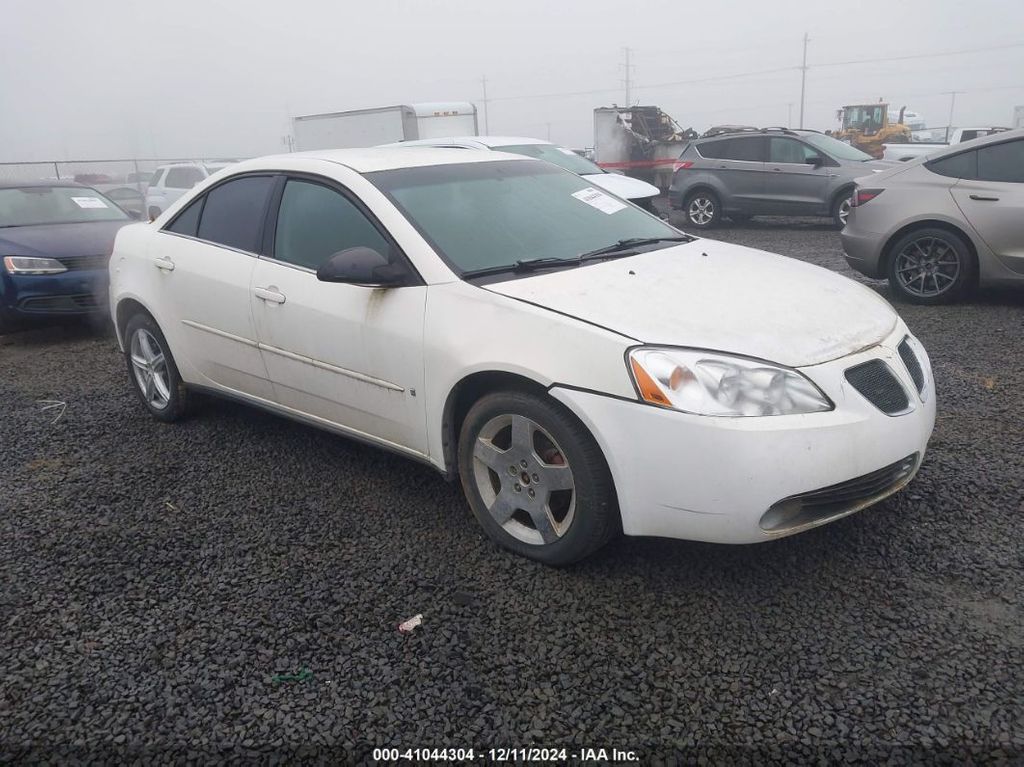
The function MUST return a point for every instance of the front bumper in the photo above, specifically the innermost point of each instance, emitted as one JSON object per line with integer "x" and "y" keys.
{"x": 75, "y": 292}
{"x": 715, "y": 479}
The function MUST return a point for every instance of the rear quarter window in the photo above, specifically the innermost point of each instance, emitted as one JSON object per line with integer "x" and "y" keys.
{"x": 963, "y": 165}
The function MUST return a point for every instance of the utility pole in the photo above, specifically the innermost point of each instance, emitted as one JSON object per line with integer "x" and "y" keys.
{"x": 628, "y": 80}
{"x": 789, "y": 120}
{"x": 952, "y": 106}
{"x": 549, "y": 131}
{"x": 483, "y": 80}
{"x": 803, "y": 80}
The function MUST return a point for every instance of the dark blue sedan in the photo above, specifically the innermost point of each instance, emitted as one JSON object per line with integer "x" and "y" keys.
{"x": 55, "y": 242}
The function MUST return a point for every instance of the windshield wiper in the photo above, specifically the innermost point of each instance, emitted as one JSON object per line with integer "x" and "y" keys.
{"x": 628, "y": 243}
{"x": 620, "y": 249}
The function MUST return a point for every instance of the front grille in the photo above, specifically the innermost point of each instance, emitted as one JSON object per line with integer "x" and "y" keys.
{"x": 77, "y": 303}
{"x": 76, "y": 263}
{"x": 842, "y": 498}
{"x": 912, "y": 363}
{"x": 876, "y": 381}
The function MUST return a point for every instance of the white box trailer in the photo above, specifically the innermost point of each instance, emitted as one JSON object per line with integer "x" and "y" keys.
{"x": 384, "y": 125}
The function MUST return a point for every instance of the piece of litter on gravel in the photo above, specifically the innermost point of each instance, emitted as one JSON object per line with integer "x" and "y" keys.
{"x": 301, "y": 676}
{"x": 406, "y": 627}
{"x": 50, "y": 404}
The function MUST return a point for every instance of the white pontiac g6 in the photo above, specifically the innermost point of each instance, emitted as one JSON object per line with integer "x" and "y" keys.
{"x": 581, "y": 366}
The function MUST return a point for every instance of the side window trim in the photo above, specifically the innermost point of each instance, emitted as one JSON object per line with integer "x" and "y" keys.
{"x": 270, "y": 230}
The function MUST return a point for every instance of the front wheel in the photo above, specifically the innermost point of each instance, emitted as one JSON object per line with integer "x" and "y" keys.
{"x": 535, "y": 479}
{"x": 930, "y": 266}
{"x": 841, "y": 210}
{"x": 702, "y": 209}
{"x": 152, "y": 371}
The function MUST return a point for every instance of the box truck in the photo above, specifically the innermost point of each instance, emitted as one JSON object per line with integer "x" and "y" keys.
{"x": 384, "y": 125}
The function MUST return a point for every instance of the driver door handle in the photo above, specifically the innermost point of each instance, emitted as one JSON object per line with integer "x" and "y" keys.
{"x": 269, "y": 294}
{"x": 164, "y": 264}
{"x": 982, "y": 198}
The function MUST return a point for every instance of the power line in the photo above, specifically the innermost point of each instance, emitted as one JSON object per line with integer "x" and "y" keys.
{"x": 921, "y": 55}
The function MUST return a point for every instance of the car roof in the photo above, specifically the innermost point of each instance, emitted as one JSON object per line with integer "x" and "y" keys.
{"x": 974, "y": 143}
{"x": 383, "y": 158}
{"x": 40, "y": 183}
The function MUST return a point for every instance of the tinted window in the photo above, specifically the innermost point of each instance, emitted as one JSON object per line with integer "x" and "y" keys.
{"x": 748, "y": 149}
{"x": 183, "y": 178}
{"x": 233, "y": 213}
{"x": 963, "y": 165}
{"x": 789, "y": 150}
{"x": 187, "y": 221}
{"x": 156, "y": 178}
{"x": 315, "y": 222}
{"x": 1002, "y": 162}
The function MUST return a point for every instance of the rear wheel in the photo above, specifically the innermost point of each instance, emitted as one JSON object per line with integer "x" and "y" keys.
{"x": 152, "y": 371}
{"x": 535, "y": 479}
{"x": 702, "y": 209}
{"x": 930, "y": 266}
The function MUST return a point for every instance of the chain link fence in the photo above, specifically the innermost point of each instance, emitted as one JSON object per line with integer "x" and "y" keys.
{"x": 123, "y": 181}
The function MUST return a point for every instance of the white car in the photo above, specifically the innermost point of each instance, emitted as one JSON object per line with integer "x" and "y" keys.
{"x": 633, "y": 189}
{"x": 169, "y": 182}
{"x": 579, "y": 364}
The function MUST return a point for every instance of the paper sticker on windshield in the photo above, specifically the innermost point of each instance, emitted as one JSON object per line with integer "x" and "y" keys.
{"x": 599, "y": 200}
{"x": 89, "y": 202}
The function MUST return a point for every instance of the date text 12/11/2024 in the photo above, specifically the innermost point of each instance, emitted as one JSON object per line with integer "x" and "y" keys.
{"x": 509, "y": 754}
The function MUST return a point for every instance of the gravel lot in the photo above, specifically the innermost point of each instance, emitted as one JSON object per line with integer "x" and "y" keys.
{"x": 155, "y": 580}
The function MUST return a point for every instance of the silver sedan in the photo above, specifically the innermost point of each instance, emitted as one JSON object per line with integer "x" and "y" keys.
{"x": 938, "y": 226}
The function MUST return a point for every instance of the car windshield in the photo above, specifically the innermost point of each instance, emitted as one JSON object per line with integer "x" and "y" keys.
{"x": 835, "y": 147}
{"x": 484, "y": 215}
{"x": 29, "y": 205}
{"x": 560, "y": 156}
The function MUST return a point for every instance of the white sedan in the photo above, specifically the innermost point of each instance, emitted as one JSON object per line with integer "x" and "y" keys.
{"x": 633, "y": 189}
{"x": 581, "y": 366}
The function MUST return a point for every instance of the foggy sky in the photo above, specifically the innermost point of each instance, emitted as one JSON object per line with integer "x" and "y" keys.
{"x": 85, "y": 79}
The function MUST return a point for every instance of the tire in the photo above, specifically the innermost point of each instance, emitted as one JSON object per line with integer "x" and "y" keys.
{"x": 930, "y": 266}
{"x": 565, "y": 506}
{"x": 148, "y": 358}
{"x": 841, "y": 208}
{"x": 702, "y": 209}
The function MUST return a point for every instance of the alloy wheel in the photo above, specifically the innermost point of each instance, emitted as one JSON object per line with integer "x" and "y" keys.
{"x": 927, "y": 267}
{"x": 844, "y": 211}
{"x": 701, "y": 210}
{"x": 524, "y": 479}
{"x": 149, "y": 364}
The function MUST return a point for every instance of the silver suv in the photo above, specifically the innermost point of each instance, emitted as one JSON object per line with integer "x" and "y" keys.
{"x": 771, "y": 172}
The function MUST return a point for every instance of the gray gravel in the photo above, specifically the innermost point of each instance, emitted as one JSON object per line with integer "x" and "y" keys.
{"x": 155, "y": 579}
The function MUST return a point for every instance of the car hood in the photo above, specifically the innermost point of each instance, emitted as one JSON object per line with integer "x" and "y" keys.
{"x": 623, "y": 186}
{"x": 713, "y": 295}
{"x": 93, "y": 238}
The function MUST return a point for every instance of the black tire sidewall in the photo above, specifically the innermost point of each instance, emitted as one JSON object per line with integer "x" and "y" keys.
{"x": 958, "y": 288}
{"x": 715, "y": 218}
{"x": 836, "y": 204}
{"x": 176, "y": 405}
{"x": 596, "y": 517}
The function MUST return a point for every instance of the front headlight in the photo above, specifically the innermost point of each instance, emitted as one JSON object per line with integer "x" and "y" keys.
{"x": 707, "y": 383}
{"x": 30, "y": 265}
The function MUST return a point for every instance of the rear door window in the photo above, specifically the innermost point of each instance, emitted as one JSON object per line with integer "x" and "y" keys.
{"x": 1002, "y": 162}
{"x": 155, "y": 180}
{"x": 234, "y": 212}
{"x": 963, "y": 165}
{"x": 746, "y": 149}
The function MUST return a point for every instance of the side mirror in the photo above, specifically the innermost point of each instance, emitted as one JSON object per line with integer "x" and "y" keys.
{"x": 816, "y": 160}
{"x": 362, "y": 266}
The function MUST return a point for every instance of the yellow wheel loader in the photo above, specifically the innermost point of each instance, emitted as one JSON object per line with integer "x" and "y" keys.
{"x": 867, "y": 127}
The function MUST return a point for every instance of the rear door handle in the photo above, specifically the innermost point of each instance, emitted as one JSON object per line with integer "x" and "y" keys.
{"x": 164, "y": 264}
{"x": 269, "y": 294}
{"x": 982, "y": 198}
